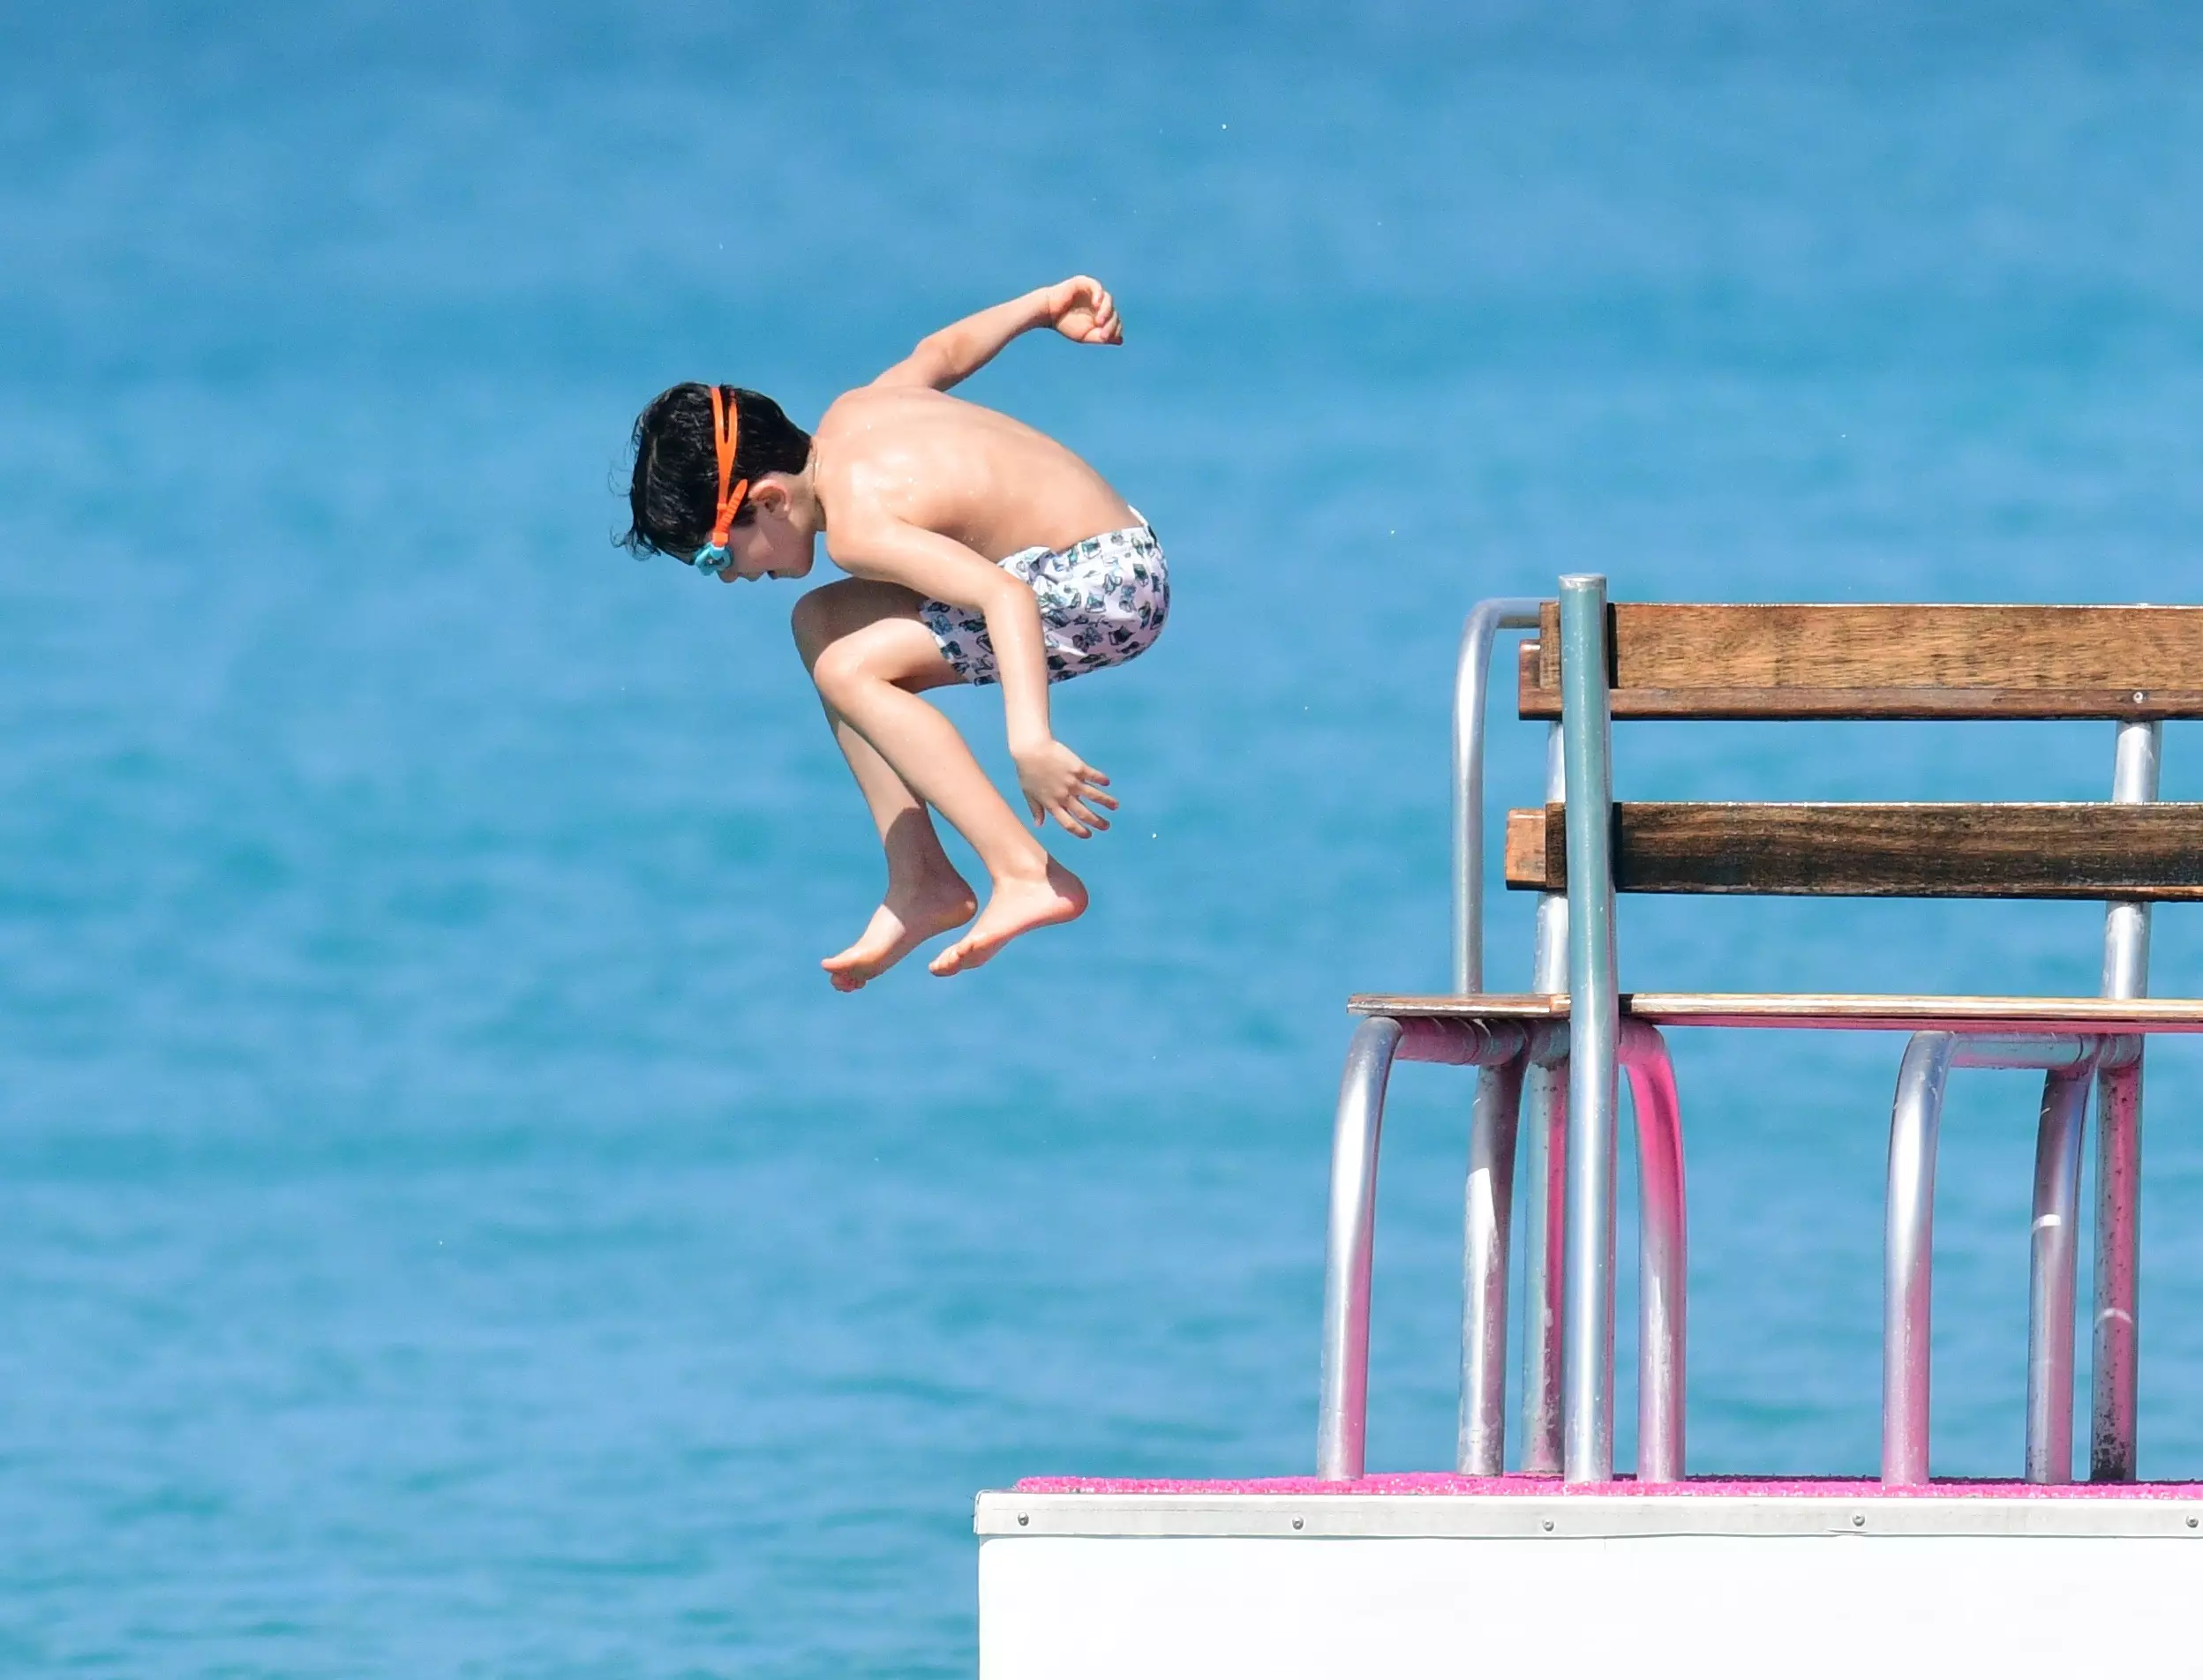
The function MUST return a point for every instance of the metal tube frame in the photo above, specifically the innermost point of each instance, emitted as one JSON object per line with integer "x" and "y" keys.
{"x": 1342, "y": 1399}
{"x": 1915, "y": 1120}
{"x": 1587, "y": 1325}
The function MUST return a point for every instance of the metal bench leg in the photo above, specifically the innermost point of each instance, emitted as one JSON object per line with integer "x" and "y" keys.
{"x": 1662, "y": 1254}
{"x": 1908, "y": 1244}
{"x": 2054, "y": 1249}
{"x": 2119, "y": 1270}
{"x": 1480, "y": 1445}
{"x": 1342, "y": 1406}
{"x": 2134, "y": 781}
{"x": 1545, "y": 1209}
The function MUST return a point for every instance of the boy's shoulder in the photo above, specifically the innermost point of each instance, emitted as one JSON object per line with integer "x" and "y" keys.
{"x": 873, "y": 405}
{"x": 875, "y": 421}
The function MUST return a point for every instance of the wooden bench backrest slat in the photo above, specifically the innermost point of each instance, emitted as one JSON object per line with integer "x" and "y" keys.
{"x": 2131, "y": 851}
{"x": 1886, "y": 661}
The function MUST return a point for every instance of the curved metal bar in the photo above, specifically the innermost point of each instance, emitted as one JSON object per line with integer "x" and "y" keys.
{"x": 1342, "y": 1397}
{"x": 1471, "y": 681}
{"x": 2053, "y": 1248}
{"x": 1908, "y": 1245}
{"x": 1462, "y": 1043}
{"x": 1594, "y": 1031}
{"x": 1663, "y": 1254}
{"x": 1342, "y": 1403}
{"x": 2117, "y": 1341}
{"x": 1480, "y": 1443}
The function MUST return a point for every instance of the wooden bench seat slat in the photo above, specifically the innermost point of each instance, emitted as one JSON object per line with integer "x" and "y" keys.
{"x": 1865, "y": 1013}
{"x": 2146, "y": 852}
{"x": 1832, "y": 661}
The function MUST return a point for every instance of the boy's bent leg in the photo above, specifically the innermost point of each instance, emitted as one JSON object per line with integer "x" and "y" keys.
{"x": 871, "y": 678}
{"x": 925, "y": 894}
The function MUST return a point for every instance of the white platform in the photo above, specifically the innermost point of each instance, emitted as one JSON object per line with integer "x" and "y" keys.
{"x": 1279, "y": 1587}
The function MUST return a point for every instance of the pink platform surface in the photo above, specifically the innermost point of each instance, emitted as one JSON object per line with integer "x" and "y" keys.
{"x": 1439, "y": 1485}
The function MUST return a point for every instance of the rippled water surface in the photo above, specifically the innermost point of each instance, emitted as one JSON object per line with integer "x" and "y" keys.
{"x": 448, "y": 1225}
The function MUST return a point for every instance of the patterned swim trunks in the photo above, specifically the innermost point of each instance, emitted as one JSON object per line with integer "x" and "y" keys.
{"x": 1102, "y": 601}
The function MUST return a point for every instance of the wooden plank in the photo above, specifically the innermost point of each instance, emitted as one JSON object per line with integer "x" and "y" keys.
{"x": 1850, "y": 1011}
{"x": 1886, "y": 661}
{"x": 2146, "y": 852}
{"x": 1525, "y": 855}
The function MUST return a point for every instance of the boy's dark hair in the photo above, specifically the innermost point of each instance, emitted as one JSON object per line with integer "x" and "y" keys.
{"x": 676, "y": 488}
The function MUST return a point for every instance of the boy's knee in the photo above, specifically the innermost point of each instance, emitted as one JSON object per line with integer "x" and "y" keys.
{"x": 813, "y": 624}
{"x": 839, "y": 666}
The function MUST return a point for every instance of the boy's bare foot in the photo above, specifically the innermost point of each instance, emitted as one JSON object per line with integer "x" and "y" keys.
{"x": 905, "y": 921}
{"x": 1016, "y": 906}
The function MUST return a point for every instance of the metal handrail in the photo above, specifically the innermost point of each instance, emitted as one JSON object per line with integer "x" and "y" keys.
{"x": 1472, "y": 672}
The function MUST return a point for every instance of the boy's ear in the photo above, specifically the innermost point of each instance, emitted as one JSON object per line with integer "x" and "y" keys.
{"x": 770, "y": 496}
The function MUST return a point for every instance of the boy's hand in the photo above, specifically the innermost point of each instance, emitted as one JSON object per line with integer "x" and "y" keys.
{"x": 1058, "y": 783}
{"x": 1083, "y": 312}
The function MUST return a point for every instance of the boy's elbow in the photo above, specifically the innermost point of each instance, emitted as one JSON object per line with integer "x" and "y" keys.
{"x": 1008, "y": 593}
{"x": 927, "y": 365}
{"x": 939, "y": 356}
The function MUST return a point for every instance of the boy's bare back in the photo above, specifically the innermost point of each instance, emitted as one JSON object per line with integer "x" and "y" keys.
{"x": 924, "y": 458}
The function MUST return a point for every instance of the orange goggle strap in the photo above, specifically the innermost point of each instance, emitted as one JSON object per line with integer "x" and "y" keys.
{"x": 725, "y": 432}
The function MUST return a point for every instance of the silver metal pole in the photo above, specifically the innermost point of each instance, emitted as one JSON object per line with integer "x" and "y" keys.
{"x": 1544, "y": 1177}
{"x": 2118, "y": 1312}
{"x": 1663, "y": 1254}
{"x": 1545, "y": 1219}
{"x": 1342, "y": 1403}
{"x": 1480, "y": 1444}
{"x": 2134, "y": 776}
{"x": 1594, "y": 1035}
{"x": 1471, "y": 674}
{"x": 2112, "y": 1434}
{"x": 2053, "y": 1250}
{"x": 1908, "y": 1241}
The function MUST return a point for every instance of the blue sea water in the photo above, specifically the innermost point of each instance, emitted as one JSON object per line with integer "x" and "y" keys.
{"x": 446, "y": 1224}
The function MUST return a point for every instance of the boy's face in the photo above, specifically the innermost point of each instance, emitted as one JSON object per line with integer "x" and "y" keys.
{"x": 770, "y": 539}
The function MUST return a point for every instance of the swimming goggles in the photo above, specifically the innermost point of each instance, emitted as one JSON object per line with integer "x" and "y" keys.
{"x": 712, "y": 558}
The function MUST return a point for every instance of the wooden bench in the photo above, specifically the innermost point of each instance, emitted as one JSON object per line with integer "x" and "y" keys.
{"x": 1591, "y": 662}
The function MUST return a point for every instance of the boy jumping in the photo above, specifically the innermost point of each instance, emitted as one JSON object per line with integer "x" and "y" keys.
{"x": 979, "y": 550}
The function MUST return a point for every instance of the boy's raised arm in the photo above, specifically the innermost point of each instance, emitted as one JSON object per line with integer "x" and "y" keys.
{"x": 1079, "y": 308}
